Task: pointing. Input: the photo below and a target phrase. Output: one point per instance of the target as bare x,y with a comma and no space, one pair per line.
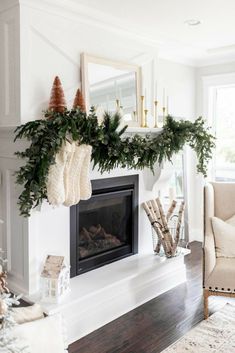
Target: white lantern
55,279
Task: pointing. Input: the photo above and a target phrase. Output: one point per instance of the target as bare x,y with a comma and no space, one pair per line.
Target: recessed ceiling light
192,22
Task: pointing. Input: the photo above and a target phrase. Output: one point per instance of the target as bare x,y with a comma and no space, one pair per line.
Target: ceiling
163,23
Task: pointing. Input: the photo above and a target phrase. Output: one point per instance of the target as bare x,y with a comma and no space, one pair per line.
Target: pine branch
109,148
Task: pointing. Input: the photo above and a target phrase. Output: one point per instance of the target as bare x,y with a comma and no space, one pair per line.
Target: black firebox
104,228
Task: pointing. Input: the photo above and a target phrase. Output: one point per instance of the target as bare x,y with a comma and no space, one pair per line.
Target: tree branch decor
161,225
110,149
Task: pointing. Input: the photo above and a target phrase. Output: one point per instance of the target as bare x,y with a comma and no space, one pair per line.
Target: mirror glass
111,86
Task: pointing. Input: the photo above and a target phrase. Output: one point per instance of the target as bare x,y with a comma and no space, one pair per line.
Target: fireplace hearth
104,228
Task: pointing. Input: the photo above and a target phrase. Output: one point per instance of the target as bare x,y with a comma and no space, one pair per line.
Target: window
177,179
223,122
177,191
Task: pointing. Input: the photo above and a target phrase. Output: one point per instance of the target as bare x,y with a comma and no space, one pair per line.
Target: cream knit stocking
55,180
72,175
85,183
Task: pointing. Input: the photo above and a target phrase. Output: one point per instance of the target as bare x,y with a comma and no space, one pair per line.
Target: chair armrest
209,255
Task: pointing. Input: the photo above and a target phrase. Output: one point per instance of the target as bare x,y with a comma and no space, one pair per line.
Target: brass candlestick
164,115
143,117
134,115
155,114
117,104
146,117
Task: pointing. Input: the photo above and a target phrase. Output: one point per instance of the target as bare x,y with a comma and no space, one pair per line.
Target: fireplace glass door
104,228
105,223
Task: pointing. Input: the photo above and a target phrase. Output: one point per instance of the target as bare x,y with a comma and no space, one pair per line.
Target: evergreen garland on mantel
110,148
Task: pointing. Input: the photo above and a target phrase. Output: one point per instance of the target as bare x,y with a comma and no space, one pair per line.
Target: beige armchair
218,273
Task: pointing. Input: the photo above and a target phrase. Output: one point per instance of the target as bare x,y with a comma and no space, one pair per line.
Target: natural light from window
224,124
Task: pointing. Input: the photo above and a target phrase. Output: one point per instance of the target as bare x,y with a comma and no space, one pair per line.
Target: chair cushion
222,276
224,234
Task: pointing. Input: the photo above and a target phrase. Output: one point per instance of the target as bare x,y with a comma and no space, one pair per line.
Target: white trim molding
10,65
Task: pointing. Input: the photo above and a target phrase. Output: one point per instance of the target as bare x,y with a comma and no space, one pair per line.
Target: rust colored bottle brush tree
57,100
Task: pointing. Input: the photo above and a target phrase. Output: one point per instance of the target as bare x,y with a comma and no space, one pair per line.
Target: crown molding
176,58
216,60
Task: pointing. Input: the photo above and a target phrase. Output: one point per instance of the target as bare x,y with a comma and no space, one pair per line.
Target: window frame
210,87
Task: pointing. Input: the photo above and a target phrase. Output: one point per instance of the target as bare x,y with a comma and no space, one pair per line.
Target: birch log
165,240
178,227
167,234
171,210
156,226
150,208
158,217
159,222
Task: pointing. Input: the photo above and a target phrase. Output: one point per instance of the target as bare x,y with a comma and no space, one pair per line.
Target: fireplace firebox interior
105,227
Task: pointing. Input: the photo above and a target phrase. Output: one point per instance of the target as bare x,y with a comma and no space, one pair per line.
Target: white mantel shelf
100,296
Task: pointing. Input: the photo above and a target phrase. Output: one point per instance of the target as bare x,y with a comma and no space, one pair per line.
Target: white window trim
209,84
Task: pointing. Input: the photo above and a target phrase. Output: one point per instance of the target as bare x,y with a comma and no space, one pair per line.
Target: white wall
202,74
51,41
179,80
53,45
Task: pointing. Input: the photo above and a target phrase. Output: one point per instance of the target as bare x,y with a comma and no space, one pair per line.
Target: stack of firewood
167,239
96,239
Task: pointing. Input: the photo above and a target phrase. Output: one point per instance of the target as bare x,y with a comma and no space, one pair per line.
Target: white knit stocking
55,180
85,183
72,175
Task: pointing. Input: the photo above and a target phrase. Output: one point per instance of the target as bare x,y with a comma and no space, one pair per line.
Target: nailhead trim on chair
222,289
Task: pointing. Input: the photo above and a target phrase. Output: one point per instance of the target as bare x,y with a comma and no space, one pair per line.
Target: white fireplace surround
113,289
39,40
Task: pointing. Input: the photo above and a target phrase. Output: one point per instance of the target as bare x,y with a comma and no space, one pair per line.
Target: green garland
109,148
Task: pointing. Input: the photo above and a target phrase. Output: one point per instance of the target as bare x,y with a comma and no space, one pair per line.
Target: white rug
214,335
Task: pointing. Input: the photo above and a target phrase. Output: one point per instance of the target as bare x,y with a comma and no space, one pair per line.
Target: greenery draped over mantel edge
110,149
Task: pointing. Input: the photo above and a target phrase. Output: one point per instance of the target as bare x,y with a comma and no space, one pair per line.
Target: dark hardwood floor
156,324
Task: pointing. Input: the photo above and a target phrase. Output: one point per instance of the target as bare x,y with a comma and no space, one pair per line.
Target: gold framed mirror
110,86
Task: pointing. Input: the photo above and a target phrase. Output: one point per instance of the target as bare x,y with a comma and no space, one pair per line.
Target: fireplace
104,228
